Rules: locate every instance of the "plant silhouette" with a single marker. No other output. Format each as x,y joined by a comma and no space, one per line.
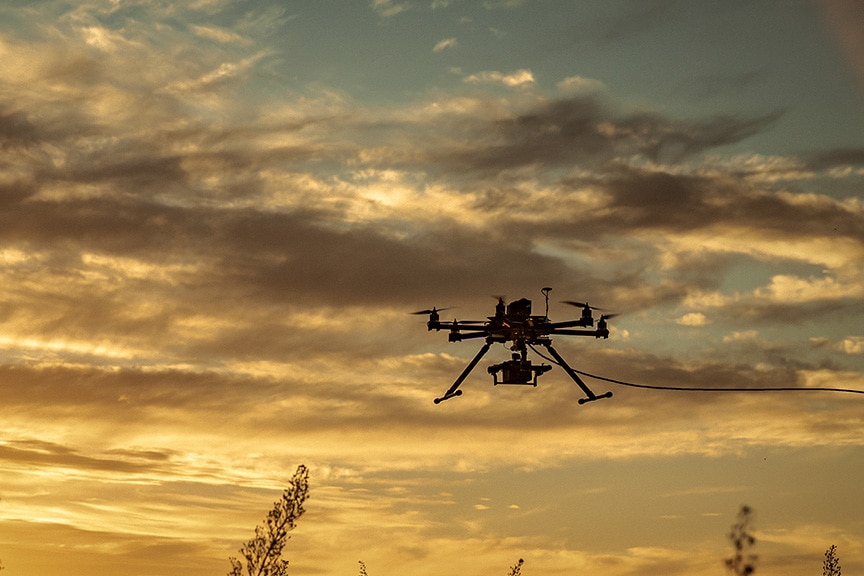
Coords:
516,569
743,562
263,553
831,564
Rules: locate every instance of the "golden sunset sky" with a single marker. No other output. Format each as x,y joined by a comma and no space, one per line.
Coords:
217,215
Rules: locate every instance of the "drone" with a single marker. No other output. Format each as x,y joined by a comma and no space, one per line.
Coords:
514,323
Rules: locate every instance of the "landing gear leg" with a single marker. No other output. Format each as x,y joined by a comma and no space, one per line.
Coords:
561,362
454,389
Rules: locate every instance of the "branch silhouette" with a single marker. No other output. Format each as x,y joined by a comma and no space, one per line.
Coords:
516,569
263,553
831,564
743,563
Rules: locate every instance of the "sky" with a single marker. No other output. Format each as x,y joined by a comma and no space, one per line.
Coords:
216,217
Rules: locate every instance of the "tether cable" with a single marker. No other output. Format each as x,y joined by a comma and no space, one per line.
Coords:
702,388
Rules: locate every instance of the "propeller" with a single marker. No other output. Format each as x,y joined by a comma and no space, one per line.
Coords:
433,310
580,305
608,316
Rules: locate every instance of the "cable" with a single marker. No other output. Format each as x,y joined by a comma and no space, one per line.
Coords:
703,389
700,388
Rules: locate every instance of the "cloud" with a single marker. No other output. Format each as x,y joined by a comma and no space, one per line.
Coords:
792,289
692,319
220,35
389,8
36,453
747,335
102,39
16,130
579,84
851,345
226,72
558,133
837,157
444,44
507,4
266,177
515,79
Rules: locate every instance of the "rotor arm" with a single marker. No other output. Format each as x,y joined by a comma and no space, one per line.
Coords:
569,324
457,325
454,389
455,336
570,372
599,333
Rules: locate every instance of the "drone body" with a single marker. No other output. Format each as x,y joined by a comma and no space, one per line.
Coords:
514,323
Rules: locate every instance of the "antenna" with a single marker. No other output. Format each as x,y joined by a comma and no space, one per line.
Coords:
545,292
